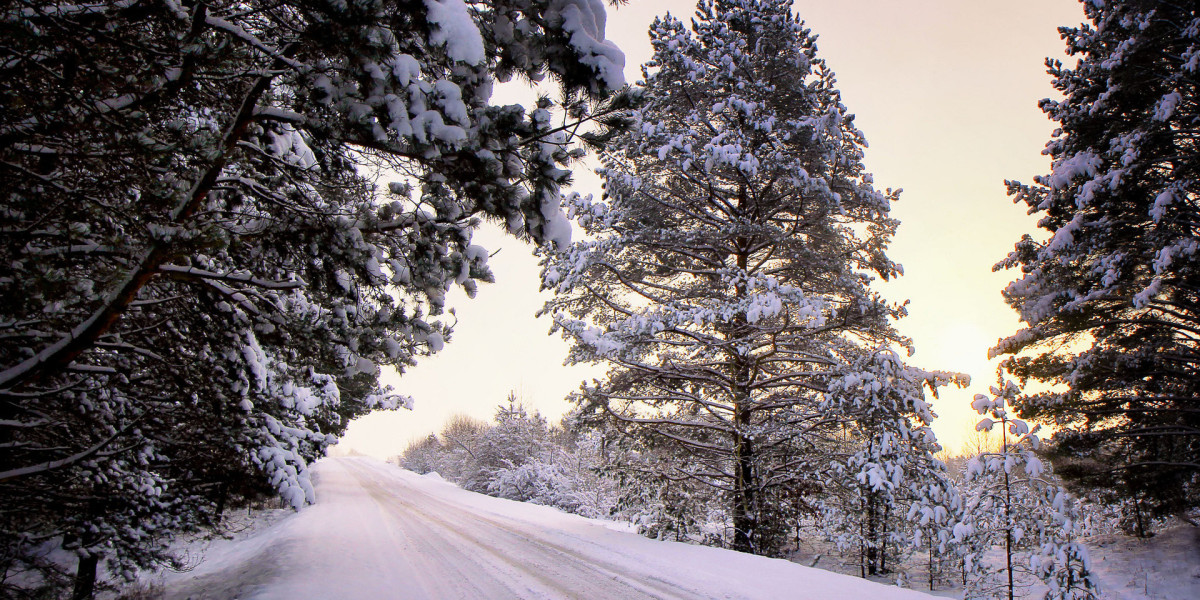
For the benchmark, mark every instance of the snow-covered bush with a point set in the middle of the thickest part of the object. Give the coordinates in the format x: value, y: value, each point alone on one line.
x: 423, y: 456
x: 520, y: 457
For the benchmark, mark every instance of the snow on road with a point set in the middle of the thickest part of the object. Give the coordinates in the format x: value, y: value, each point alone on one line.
x: 378, y: 532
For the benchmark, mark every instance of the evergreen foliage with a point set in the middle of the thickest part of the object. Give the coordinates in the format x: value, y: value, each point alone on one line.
x: 725, y: 276
x: 200, y: 283
x: 1010, y: 500
x: 887, y: 494
x: 1109, y: 298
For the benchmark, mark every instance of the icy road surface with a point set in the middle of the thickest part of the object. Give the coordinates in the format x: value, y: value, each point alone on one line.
x: 378, y: 532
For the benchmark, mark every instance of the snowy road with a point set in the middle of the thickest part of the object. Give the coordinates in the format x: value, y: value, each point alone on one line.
x: 378, y: 532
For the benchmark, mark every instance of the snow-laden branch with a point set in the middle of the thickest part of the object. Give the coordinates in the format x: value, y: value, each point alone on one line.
x: 60, y: 354
x: 234, y: 277
x: 63, y: 462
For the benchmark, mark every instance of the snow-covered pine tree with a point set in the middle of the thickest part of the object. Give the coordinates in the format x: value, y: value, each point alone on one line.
x: 1011, y: 501
x: 545, y: 464
x: 658, y: 488
x: 889, y: 495
x: 585, y: 485
x: 199, y: 285
x: 1109, y: 300
x: 725, y: 276
x: 507, y: 450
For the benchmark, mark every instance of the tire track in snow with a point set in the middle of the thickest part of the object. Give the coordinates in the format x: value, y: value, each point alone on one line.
x: 544, y: 568
x: 443, y: 569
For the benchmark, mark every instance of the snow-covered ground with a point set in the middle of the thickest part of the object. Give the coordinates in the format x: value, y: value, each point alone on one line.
x: 378, y: 532
x: 1164, y: 567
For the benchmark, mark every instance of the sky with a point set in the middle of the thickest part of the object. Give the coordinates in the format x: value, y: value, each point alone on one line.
x: 946, y: 93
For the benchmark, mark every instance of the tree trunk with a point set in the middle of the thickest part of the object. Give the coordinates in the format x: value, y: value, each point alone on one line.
x: 85, y: 577
x: 1008, y: 542
x: 1008, y: 519
x: 222, y: 500
x: 931, y: 573
x: 872, y: 536
x: 883, y: 539
x: 744, y: 519
x: 862, y: 550
x: 1137, y: 516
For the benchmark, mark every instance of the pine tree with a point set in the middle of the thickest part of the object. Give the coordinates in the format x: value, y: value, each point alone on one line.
x: 509, y: 448
x: 1012, y: 502
x: 891, y: 494
x: 1109, y: 300
x: 200, y: 284
x: 725, y: 275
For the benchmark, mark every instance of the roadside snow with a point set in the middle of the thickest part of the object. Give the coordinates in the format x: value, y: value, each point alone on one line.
x: 380, y: 532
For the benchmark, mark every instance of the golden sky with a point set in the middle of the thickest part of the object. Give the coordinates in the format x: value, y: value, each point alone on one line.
x: 946, y: 93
